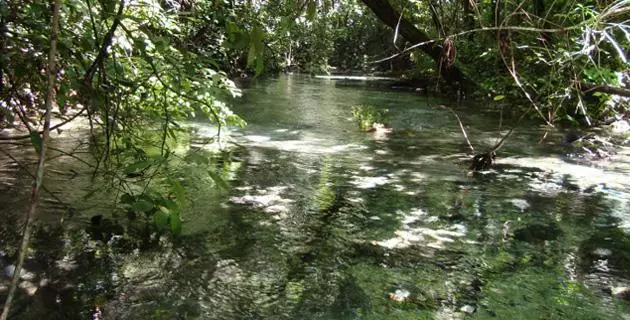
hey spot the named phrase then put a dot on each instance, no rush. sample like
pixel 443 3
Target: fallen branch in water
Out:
pixel 483 161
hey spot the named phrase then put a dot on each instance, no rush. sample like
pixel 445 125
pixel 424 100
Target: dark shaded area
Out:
pixel 386 13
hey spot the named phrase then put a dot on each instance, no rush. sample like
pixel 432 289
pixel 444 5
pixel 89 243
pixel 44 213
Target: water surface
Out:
pixel 322 221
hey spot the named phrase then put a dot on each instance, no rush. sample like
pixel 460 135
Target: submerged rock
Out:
pixel 619 127
pixel 521 204
pixel 400 295
pixel 537 232
pixel 621 292
pixel 467 309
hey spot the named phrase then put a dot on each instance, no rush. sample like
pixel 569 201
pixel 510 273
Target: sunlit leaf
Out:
pixel 256 46
pixel 176 223
pixel 179 191
pixel 311 10
pixel 161 218
pixel 498 98
pixel 260 66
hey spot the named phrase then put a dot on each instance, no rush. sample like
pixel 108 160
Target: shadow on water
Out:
pixel 322 221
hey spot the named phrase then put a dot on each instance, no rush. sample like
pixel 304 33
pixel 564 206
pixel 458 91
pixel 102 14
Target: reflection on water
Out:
pixel 322 221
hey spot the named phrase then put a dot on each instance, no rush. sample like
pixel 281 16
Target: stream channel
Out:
pixel 323 221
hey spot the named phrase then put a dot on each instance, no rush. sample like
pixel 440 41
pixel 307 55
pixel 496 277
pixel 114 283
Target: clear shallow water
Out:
pixel 322 221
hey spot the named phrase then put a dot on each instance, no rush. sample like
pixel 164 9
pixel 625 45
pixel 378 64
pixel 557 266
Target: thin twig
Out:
pixel 32 210
pixel 57 126
pixel 483 29
pixel 512 70
pixel 23 167
pixel 461 125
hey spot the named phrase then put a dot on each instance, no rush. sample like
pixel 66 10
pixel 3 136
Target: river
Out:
pixel 322 221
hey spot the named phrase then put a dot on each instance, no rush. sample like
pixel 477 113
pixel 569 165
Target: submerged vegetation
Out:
pixel 369 118
pixel 133 191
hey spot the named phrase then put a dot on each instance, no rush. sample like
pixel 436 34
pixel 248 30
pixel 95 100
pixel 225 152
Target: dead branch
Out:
pixel 461 126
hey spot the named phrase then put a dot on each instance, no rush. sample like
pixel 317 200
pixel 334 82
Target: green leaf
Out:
pixel 20 71
pixel 176 223
pixel 36 141
pixel 312 9
pixel 239 40
pixel 170 204
pixel 142 206
pixel 138 166
pixel 499 98
pixel 171 133
pixel 256 46
pixel 218 180
pixel 179 191
pixel 251 55
pixel 197 158
pixel 161 218
pixel 260 65
pixel 127 198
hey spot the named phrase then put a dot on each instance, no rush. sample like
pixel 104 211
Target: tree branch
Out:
pixel 586 87
pixel 461 126
pixel 107 41
pixel 37 184
pixel 388 15
pixel 27 136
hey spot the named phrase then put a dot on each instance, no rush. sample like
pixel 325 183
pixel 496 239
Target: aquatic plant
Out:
pixel 369 117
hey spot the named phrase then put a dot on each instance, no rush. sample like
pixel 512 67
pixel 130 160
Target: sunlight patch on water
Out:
pixel 269 200
pixel 583 176
pixel 257 138
pixel 521 204
pixel 311 146
pixel 369 182
pixel 410 235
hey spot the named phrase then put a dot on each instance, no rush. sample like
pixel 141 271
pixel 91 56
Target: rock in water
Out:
pixel 400 295
pixel 620 127
pixel 537 232
pixel 24 274
pixel 621 293
pixel 467 309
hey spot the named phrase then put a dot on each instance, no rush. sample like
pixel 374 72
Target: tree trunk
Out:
pixel 388 15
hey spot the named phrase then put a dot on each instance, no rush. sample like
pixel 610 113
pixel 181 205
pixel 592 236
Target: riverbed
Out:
pixel 322 221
